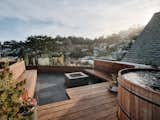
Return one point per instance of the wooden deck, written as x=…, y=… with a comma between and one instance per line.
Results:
x=91, y=102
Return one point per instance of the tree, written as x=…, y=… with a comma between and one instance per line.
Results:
x=40, y=44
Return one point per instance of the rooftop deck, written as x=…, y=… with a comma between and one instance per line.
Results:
x=90, y=102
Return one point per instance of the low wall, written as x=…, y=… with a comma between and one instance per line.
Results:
x=102, y=65
x=62, y=69
x=111, y=66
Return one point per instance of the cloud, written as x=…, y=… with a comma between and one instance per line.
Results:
x=72, y=17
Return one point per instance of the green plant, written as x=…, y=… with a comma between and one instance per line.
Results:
x=114, y=81
x=10, y=93
x=114, y=78
x=113, y=85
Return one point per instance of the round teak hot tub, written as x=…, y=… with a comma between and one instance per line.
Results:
x=139, y=94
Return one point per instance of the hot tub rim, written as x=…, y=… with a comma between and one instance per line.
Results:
x=138, y=96
x=123, y=71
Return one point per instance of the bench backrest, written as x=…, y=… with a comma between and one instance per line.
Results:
x=110, y=66
x=17, y=69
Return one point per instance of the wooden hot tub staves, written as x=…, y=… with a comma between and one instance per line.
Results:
x=137, y=102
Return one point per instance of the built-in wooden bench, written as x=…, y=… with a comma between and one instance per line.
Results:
x=104, y=69
x=102, y=75
x=20, y=73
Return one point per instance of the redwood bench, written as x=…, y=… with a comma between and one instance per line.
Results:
x=102, y=75
x=20, y=73
x=104, y=69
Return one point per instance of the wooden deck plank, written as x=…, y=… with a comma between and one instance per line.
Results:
x=87, y=112
x=87, y=87
x=82, y=94
x=83, y=105
x=58, y=114
x=92, y=113
x=73, y=106
x=94, y=87
x=92, y=96
x=87, y=91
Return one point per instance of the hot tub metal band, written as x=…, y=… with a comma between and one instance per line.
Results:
x=124, y=111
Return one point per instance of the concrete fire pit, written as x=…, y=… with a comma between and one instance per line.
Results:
x=76, y=79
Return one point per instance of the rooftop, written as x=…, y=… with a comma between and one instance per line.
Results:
x=90, y=101
x=146, y=48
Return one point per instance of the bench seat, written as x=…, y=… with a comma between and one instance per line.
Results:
x=30, y=76
x=102, y=75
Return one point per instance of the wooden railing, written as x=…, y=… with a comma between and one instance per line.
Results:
x=62, y=69
x=111, y=66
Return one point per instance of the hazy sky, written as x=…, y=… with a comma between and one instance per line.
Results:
x=88, y=18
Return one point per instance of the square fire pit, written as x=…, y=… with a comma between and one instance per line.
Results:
x=76, y=79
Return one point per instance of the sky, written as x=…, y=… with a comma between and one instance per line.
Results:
x=87, y=18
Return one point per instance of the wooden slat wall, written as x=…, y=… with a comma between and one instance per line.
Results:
x=31, y=81
x=31, y=78
x=62, y=69
x=17, y=69
x=136, y=106
x=110, y=66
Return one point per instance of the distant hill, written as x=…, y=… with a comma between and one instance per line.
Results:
x=122, y=36
x=71, y=46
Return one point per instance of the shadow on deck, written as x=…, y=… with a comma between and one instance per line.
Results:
x=50, y=88
x=86, y=103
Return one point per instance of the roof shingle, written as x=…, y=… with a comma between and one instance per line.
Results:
x=146, y=49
